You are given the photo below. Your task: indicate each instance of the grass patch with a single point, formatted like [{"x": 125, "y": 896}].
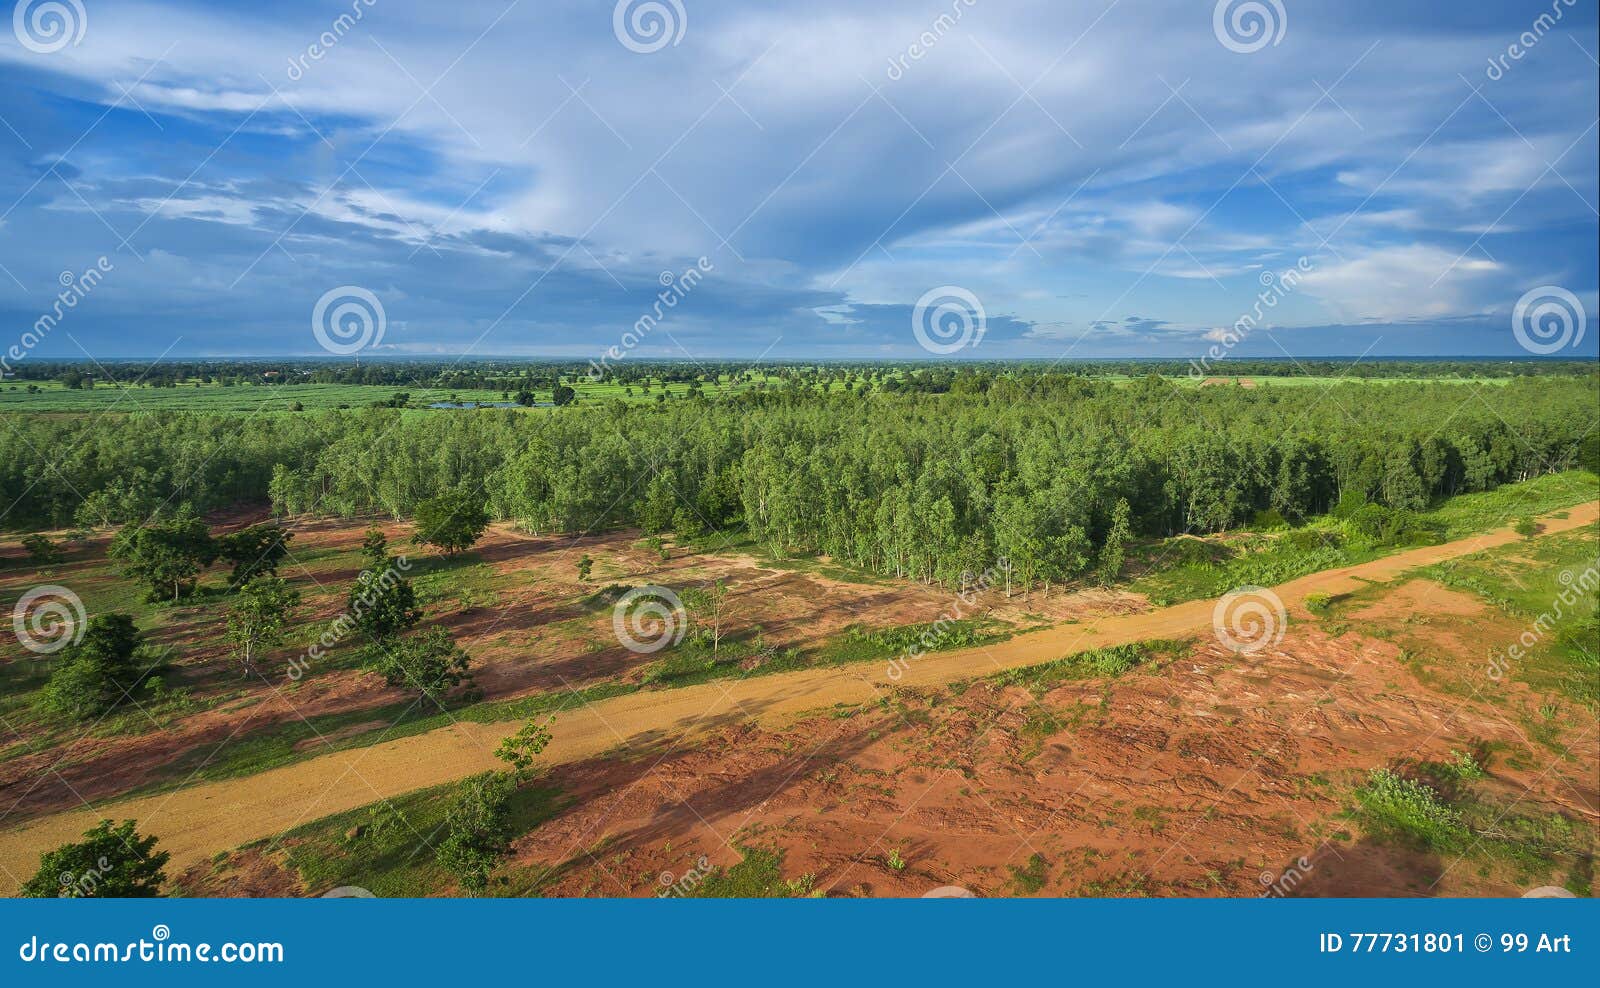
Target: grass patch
[
  {"x": 382, "y": 847},
  {"x": 1453, "y": 820},
  {"x": 758, "y": 875},
  {"x": 1030, "y": 878},
  {"x": 1187, "y": 568},
  {"x": 1098, "y": 663},
  {"x": 1559, "y": 604}
]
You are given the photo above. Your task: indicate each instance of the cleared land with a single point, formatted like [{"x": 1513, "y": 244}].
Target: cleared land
[{"x": 200, "y": 820}]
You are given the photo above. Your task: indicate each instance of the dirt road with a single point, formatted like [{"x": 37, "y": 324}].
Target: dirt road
[{"x": 196, "y": 822}]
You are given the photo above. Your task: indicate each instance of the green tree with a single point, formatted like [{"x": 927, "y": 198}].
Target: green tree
[
  {"x": 101, "y": 671},
  {"x": 477, "y": 829},
  {"x": 111, "y": 862},
  {"x": 451, "y": 521},
  {"x": 254, "y": 551},
  {"x": 427, "y": 662},
  {"x": 520, "y": 749},
  {"x": 41, "y": 550},
  {"x": 257, "y": 618},
  {"x": 585, "y": 566},
  {"x": 375, "y": 548},
  {"x": 382, "y": 602},
  {"x": 708, "y": 606},
  {"x": 1114, "y": 549},
  {"x": 564, "y": 395},
  {"x": 168, "y": 556}
]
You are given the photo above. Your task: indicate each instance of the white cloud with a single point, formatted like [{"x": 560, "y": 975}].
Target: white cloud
[{"x": 1401, "y": 283}]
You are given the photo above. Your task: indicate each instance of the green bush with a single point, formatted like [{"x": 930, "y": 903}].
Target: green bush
[
  {"x": 111, "y": 862},
  {"x": 1411, "y": 811}
]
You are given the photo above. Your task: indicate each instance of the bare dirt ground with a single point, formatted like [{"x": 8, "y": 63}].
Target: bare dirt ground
[
  {"x": 1115, "y": 763},
  {"x": 515, "y": 604},
  {"x": 1213, "y": 775}
]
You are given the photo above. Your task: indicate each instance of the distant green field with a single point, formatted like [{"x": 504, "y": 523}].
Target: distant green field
[
  {"x": 251, "y": 398},
  {"x": 52, "y": 396},
  {"x": 1327, "y": 382}
]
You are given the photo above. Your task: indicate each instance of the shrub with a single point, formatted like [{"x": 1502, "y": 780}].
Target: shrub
[
  {"x": 111, "y": 862},
  {"x": 41, "y": 550},
  {"x": 101, "y": 671},
  {"x": 1270, "y": 520},
  {"x": 1411, "y": 811},
  {"x": 477, "y": 829},
  {"x": 428, "y": 662}
]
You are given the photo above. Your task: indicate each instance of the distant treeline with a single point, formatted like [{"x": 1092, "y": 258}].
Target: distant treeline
[
  {"x": 510, "y": 375},
  {"x": 906, "y": 483}
]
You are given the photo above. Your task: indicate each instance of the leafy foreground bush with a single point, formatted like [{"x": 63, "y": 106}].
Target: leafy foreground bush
[
  {"x": 100, "y": 672},
  {"x": 111, "y": 862},
  {"x": 1398, "y": 807}
]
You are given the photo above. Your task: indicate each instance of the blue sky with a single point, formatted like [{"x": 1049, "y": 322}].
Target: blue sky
[{"x": 512, "y": 177}]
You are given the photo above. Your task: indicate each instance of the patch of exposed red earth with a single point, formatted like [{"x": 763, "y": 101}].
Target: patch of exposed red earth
[
  {"x": 1211, "y": 776},
  {"x": 538, "y": 636}
]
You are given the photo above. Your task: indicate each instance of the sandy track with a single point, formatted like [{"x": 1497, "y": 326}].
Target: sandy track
[{"x": 196, "y": 822}]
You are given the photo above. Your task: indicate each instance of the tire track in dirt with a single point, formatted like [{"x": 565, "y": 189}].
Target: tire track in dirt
[{"x": 196, "y": 822}]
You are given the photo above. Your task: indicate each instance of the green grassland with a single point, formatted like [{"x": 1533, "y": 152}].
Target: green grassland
[
  {"x": 1187, "y": 568},
  {"x": 263, "y": 397},
  {"x": 1550, "y": 584},
  {"x": 1445, "y": 808}
]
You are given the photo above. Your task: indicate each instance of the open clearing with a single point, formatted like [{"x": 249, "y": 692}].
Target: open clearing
[{"x": 195, "y": 823}]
